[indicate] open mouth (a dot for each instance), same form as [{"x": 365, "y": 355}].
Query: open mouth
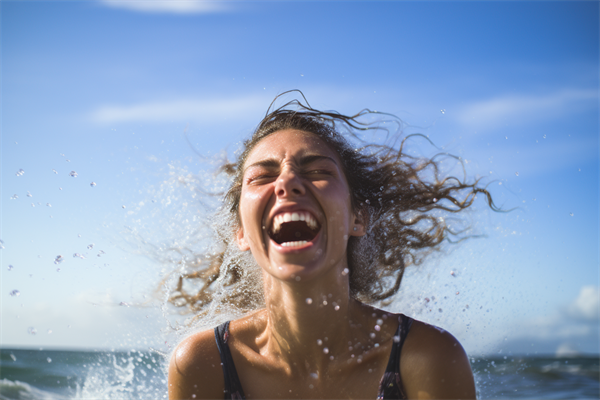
[{"x": 293, "y": 229}]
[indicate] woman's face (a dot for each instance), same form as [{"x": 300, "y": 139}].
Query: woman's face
[{"x": 295, "y": 208}]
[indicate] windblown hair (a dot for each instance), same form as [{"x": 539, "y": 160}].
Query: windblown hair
[{"x": 399, "y": 196}]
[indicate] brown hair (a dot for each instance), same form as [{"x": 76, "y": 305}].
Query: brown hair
[{"x": 401, "y": 196}]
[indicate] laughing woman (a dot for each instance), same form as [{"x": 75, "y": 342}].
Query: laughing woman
[{"x": 330, "y": 229}]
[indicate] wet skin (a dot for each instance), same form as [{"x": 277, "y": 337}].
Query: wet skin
[{"x": 279, "y": 351}]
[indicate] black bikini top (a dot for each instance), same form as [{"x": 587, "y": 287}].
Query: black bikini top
[{"x": 390, "y": 386}]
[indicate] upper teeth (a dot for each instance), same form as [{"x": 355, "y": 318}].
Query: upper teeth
[{"x": 294, "y": 216}]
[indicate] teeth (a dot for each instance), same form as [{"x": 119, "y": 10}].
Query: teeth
[
  {"x": 295, "y": 216},
  {"x": 294, "y": 244}
]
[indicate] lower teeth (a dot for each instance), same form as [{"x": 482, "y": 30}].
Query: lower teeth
[{"x": 294, "y": 244}]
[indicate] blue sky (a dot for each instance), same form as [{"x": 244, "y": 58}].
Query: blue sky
[{"x": 107, "y": 89}]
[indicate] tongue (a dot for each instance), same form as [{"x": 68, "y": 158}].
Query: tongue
[{"x": 294, "y": 231}]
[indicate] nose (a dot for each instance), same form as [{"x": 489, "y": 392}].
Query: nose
[{"x": 289, "y": 184}]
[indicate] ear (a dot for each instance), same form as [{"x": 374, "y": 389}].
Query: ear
[
  {"x": 242, "y": 242},
  {"x": 358, "y": 228}
]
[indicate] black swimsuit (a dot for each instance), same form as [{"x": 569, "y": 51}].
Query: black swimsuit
[{"x": 390, "y": 386}]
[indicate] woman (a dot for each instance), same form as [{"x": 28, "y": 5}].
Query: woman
[{"x": 331, "y": 228}]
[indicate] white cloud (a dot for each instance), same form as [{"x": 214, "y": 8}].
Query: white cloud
[
  {"x": 167, "y": 6},
  {"x": 183, "y": 110},
  {"x": 525, "y": 108},
  {"x": 587, "y": 304},
  {"x": 577, "y": 319}
]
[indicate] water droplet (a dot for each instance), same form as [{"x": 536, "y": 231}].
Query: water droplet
[
  {"x": 93, "y": 184},
  {"x": 57, "y": 269},
  {"x": 434, "y": 200},
  {"x": 319, "y": 342},
  {"x": 324, "y": 302},
  {"x": 14, "y": 197},
  {"x": 377, "y": 328},
  {"x": 123, "y": 207},
  {"x": 29, "y": 194},
  {"x": 100, "y": 253},
  {"x": 325, "y": 350},
  {"x": 453, "y": 273},
  {"x": 571, "y": 214},
  {"x": 345, "y": 271},
  {"x": 439, "y": 309},
  {"x": 457, "y": 293},
  {"x": 49, "y": 359},
  {"x": 443, "y": 111},
  {"x": 14, "y": 358},
  {"x": 55, "y": 171},
  {"x": 372, "y": 335},
  {"x": 20, "y": 172},
  {"x": 76, "y": 255},
  {"x": 506, "y": 137},
  {"x": 90, "y": 246},
  {"x": 73, "y": 174},
  {"x": 31, "y": 330},
  {"x": 15, "y": 293},
  {"x": 379, "y": 322},
  {"x": 516, "y": 173},
  {"x": 10, "y": 267},
  {"x": 123, "y": 304},
  {"x": 49, "y": 331},
  {"x": 308, "y": 300},
  {"x": 336, "y": 308},
  {"x": 544, "y": 136},
  {"x": 368, "y": 201},
  {"x": 396, "y": 339},
  {"x": 48, "y": 205},
  {"x": 59, "y": 259}
]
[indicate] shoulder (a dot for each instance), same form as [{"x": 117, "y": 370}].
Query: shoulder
[
  {"x": 195, "y": 368},
  {"x": 434, "y": 365}
]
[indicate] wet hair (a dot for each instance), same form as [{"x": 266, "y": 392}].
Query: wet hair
[{"x": 402, "y": 198}]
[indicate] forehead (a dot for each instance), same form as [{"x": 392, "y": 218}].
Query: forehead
[{"x": 290, "y": 143}]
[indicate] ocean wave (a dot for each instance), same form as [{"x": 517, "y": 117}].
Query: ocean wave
[{"x": 16, "y": 390}]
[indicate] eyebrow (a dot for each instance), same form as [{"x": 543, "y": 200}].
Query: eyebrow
[{"x": 304, "y": 160}]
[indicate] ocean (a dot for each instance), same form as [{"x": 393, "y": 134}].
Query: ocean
[{"x": 54, "y": 374}]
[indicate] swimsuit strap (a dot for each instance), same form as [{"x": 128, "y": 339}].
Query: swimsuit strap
[
  {"x": 390, "y": 386},
  {"x": 233, "y": 387}
]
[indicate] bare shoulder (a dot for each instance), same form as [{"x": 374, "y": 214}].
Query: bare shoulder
[
  {"x": 434, "y": 365},
  {"x": 195, "y": 368}
]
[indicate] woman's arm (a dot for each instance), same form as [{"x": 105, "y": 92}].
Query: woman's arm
[
  {"x": 433, "y": 365},
  {"x": 195, "y": 369}
]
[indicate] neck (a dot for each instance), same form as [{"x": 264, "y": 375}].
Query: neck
[{"x": 310, "y": 322}]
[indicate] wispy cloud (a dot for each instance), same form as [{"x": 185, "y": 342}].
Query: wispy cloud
[
  {"x": 572, "y": 329},
  {"x": 526, "y": 108},
  {"x": 587, "y": 305},
  {"x": 186, "y": 110},
  {"x": 167, "y": 6}
]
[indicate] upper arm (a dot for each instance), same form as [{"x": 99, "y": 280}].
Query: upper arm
[
  {"x": 434, "y": 365},
  {"x": 195, "y": 369}
]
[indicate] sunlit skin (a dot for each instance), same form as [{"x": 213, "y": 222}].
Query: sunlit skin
[{"x": 279, "y": 352}]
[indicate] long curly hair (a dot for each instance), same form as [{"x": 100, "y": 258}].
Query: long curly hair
[{"x": 402, "y": 197}]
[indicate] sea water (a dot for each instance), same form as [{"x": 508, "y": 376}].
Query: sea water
[{"x": 53, "y": 374}]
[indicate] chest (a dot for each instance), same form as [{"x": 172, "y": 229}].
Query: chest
[{"x": 356, "y": 382}]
